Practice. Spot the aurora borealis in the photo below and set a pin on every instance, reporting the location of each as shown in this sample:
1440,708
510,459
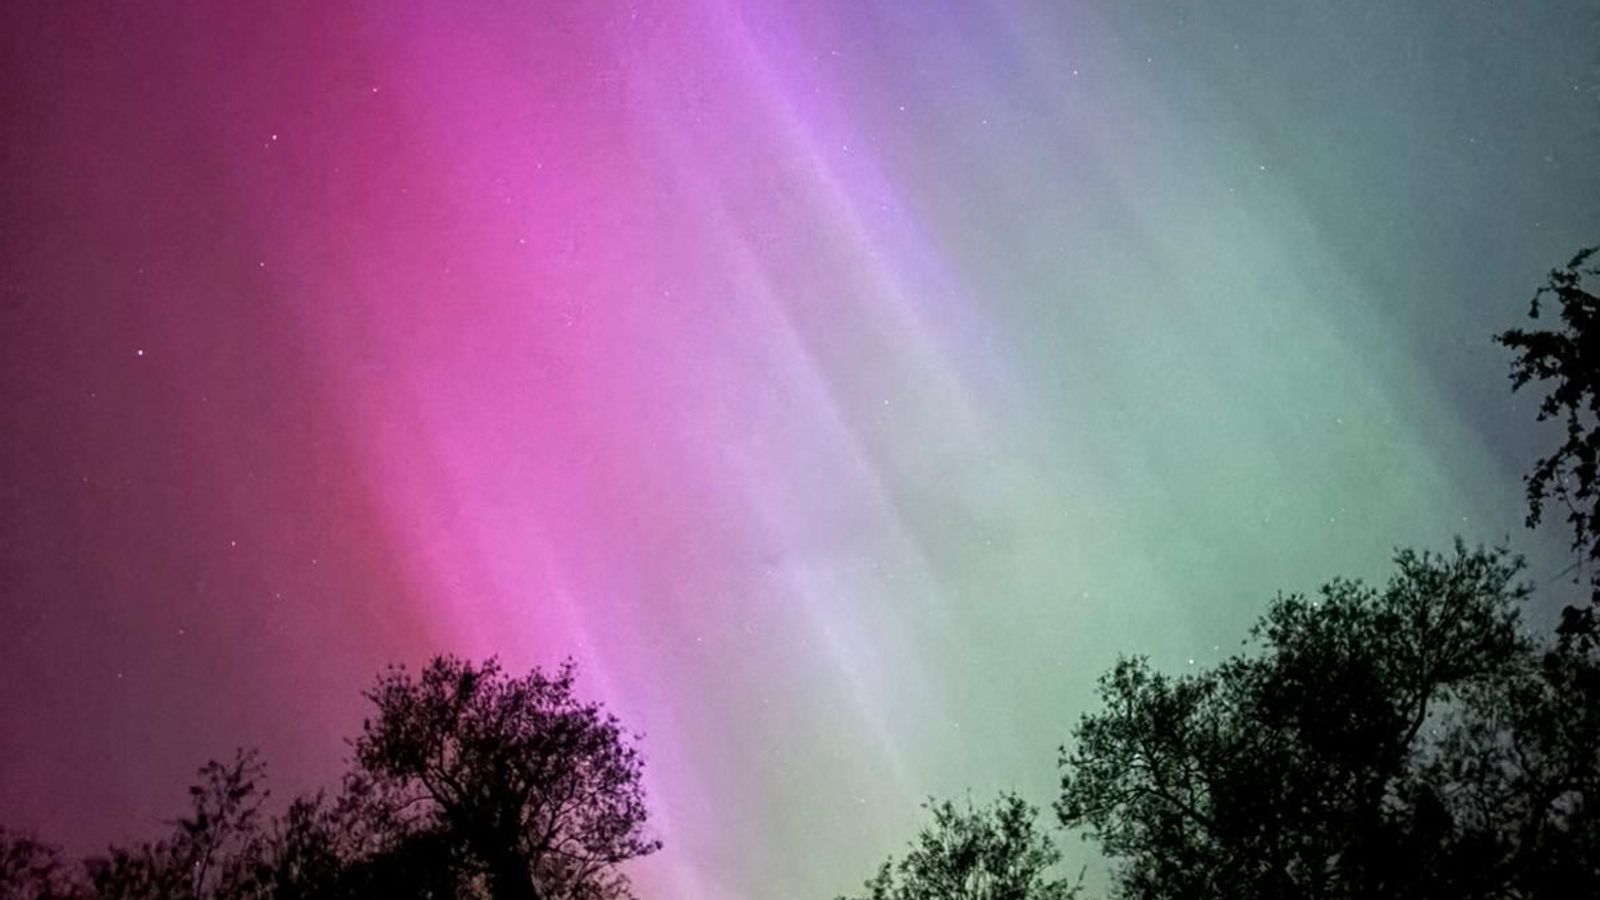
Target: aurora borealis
842,385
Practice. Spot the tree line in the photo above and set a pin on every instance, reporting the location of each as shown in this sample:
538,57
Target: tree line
466,782
1415,740
1412,741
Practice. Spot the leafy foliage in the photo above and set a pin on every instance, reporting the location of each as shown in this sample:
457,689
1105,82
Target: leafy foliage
468,784
540,790
988,853
30,870
1568,358
1404,742
215,851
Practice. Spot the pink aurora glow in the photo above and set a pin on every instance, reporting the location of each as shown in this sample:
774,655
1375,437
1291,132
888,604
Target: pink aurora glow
541,331
841,384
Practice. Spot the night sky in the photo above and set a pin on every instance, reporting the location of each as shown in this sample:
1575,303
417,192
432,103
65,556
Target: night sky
843,385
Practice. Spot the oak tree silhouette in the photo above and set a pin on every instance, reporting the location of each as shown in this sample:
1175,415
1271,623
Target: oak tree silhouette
467,784
1405,742
994,852
539,790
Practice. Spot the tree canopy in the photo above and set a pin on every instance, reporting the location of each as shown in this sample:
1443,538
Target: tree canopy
1405,741
467,784
1409,741
31,870
542,791
994,852
1566,360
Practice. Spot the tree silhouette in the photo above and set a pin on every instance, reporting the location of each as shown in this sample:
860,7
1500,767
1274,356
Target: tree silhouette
217,850
361,844
468,784
31,870
1405,742
989,853
538,790
1568,358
